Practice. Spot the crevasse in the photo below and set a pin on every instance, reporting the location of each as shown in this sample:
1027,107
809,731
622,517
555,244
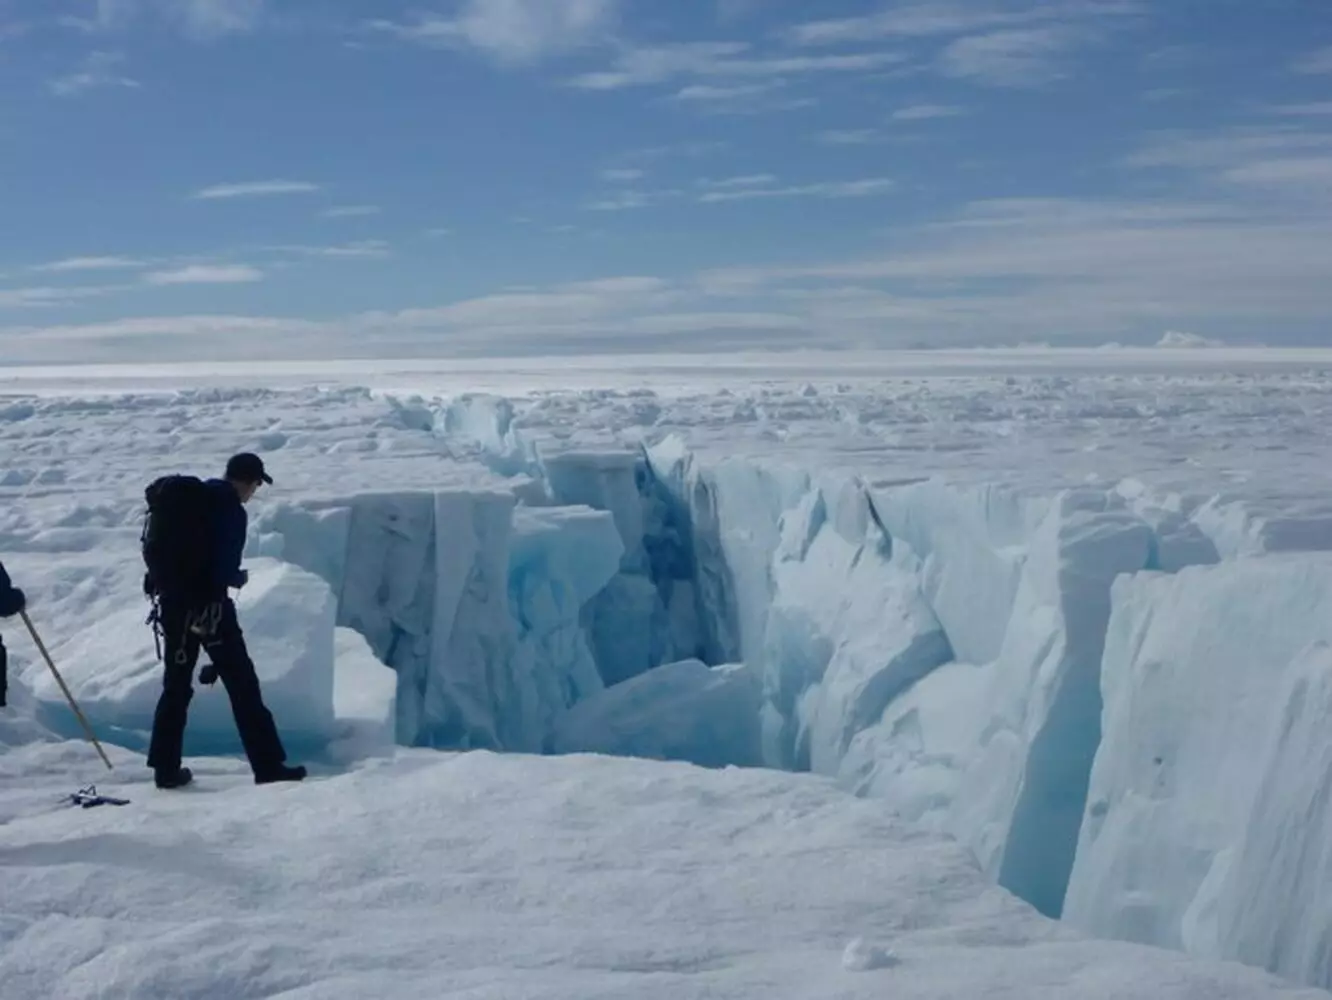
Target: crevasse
1115,719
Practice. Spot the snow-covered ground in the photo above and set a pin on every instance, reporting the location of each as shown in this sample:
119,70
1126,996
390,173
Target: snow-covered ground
1062,613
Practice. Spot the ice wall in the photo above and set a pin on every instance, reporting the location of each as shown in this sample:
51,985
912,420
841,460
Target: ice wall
1208,820
474,603
849,601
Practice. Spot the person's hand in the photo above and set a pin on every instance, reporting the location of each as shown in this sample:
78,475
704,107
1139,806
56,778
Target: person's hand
17,606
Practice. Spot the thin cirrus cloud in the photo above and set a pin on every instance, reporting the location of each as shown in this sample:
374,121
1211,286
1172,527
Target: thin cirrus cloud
743,187
196,19
824,189
205,274
349,211
513,32
255,189
636,67
1016,57
945,18
43,296
1314,63
927,112
103,263
97,73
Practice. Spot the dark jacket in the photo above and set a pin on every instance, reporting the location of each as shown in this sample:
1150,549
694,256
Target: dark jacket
230,523
12,600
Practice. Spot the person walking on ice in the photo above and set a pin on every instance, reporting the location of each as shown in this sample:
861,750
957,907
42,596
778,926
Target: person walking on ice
12,601
193,541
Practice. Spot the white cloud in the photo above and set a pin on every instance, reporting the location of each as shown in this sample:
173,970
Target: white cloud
355,249
349,211
1315,63
848,137
919,20
743,187
823,189
620,175
926,112
256,189
1017,43
740,181
933,18
760,97
205,274
1313,109
97,73
998,271
1283,159
1073,267
513,32
197,19
89,264
1017,57
712,92
611,313
1301,171
628,199
634,67
47,296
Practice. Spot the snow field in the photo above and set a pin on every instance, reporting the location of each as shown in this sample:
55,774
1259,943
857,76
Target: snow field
481,876
953,651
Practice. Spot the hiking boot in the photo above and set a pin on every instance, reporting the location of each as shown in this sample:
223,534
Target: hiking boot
174,779
281,773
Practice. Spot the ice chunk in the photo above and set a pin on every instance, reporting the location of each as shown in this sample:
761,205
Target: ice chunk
629,624
1275,911
971,543
680,711
629,627
561,558
602,481
474,602
287,615
1209,696
915,758
364,689
485,424
1020,804
474,692
364,699
424,580
869,629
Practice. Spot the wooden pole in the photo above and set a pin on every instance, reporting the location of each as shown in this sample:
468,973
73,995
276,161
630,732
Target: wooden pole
65,688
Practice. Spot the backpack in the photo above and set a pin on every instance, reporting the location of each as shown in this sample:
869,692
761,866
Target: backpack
177,539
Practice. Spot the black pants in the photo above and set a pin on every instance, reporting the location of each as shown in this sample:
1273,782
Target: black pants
4,674
226,649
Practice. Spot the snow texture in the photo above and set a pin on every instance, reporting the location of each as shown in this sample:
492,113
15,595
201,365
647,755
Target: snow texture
427,874
1109,683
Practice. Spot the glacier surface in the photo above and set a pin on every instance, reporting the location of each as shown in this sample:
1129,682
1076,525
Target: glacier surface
1115,698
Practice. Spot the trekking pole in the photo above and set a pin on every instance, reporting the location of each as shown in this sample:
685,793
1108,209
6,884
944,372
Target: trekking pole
63,687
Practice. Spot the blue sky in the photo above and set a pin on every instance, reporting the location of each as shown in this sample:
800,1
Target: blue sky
265,178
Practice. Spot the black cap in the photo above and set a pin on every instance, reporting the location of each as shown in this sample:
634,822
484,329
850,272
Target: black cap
247,468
